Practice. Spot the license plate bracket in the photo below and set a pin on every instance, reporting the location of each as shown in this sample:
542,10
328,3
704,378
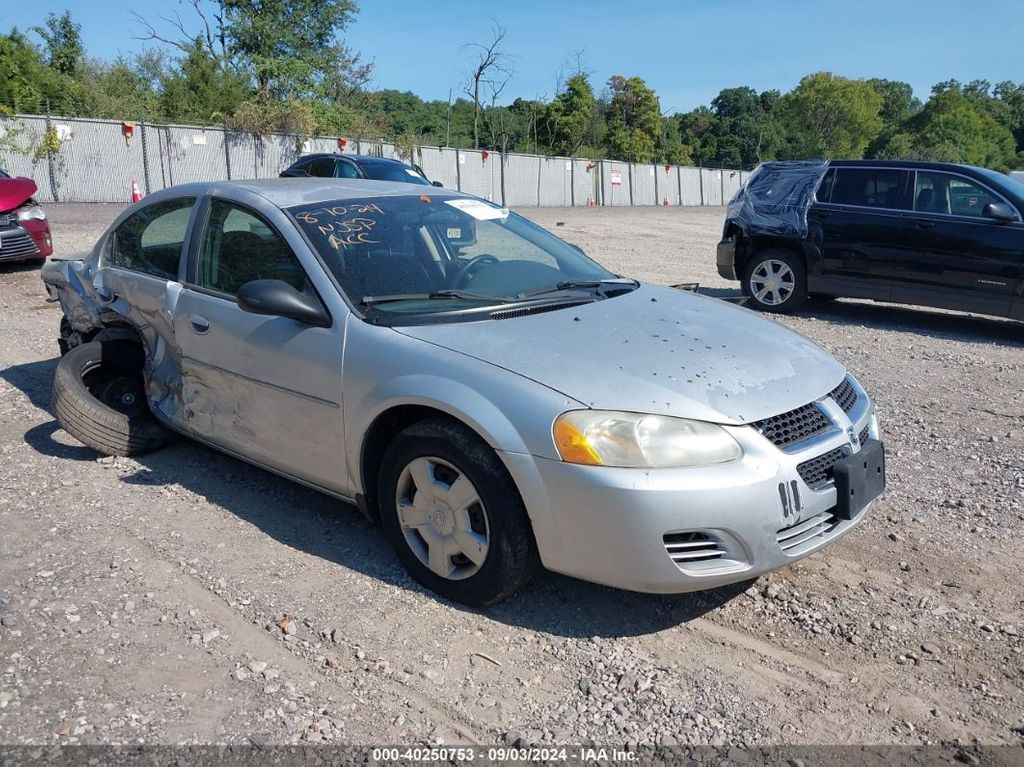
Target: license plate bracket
860,478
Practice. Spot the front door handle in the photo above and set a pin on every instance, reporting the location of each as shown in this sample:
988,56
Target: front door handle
924,224
199,323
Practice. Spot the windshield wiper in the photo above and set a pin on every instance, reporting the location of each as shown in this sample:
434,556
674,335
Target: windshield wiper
436,295
572,284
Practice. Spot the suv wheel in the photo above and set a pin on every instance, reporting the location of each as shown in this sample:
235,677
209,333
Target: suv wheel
776,281
453,514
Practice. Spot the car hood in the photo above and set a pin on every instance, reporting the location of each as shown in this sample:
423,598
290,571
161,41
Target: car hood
654,350
15,191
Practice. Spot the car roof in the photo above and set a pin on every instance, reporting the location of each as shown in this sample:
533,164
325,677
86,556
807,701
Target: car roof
286,192
358,159
916,164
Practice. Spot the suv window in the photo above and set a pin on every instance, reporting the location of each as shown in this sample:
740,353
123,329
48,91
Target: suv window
870,188
239,246
322,167
945,193
150,240
346,170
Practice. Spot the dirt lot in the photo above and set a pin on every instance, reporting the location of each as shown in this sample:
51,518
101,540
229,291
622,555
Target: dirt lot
139,599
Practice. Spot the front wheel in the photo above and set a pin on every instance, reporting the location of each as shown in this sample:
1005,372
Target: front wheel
453,514
776,281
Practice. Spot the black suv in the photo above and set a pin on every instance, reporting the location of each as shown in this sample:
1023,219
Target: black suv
356,166
933,234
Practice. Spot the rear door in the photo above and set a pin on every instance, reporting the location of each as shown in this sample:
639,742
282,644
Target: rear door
963,259
267,388
860,214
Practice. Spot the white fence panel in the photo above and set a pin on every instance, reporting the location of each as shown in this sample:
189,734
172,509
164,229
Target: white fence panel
586,178
712,180
27,133
555,182
480,176
689,184
438,164
615,183
645,183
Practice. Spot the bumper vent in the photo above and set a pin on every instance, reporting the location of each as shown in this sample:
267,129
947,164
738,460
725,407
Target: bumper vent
687,548
802,535
817,472
844,395
795,426
18,246
863,437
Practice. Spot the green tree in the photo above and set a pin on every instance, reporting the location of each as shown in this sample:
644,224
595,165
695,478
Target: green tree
634,120
828,116
568,119
747,129
25,80
201,88
293,48
62,39
954,127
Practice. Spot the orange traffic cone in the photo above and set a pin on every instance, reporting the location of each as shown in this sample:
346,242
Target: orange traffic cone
665,202
136,194
590,202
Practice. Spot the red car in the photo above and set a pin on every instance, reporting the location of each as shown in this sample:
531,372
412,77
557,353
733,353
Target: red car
24,230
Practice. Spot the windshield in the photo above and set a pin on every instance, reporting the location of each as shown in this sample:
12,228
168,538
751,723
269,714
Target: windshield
435,254
1011,184
388,171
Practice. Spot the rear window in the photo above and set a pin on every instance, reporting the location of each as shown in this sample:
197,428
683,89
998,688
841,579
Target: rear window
150,240
871,188
393,172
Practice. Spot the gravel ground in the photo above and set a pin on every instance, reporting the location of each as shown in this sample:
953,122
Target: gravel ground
187,597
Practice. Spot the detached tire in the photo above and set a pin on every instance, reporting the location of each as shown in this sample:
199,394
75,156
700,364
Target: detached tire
453,514
775,280
99,398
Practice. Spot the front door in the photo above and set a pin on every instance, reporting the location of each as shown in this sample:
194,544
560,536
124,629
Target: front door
859,223
266,388
963,260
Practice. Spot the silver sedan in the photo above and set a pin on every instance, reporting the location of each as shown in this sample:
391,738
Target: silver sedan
495,398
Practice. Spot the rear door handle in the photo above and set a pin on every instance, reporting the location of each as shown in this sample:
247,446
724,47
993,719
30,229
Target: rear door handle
199,323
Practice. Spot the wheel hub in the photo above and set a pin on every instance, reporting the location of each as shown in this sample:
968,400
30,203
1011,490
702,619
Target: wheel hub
442,519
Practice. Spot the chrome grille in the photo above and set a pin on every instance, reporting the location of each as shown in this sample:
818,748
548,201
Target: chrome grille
795,537
864,436
817,472
794,426
18,246
844,395
694,546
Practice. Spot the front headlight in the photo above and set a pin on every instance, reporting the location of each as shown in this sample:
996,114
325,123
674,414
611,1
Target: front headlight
636,440
31,213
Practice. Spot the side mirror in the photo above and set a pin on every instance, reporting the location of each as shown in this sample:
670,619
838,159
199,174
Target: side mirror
436,183
1000,212
279,299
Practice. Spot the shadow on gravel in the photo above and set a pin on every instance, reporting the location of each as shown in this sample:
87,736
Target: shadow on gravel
33,379
332,530
13,267
928,322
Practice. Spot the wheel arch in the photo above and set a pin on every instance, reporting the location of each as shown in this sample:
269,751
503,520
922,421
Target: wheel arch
478,415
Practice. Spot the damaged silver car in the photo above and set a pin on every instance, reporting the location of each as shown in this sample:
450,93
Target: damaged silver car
499,401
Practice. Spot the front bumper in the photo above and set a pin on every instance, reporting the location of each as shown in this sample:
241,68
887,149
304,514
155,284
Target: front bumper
25,241
726,258
679,530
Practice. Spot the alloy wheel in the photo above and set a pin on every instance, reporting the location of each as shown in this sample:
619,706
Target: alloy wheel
772,282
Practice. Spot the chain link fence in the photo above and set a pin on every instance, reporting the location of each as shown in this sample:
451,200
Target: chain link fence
99,160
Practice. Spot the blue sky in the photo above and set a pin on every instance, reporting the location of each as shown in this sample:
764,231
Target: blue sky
686,50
